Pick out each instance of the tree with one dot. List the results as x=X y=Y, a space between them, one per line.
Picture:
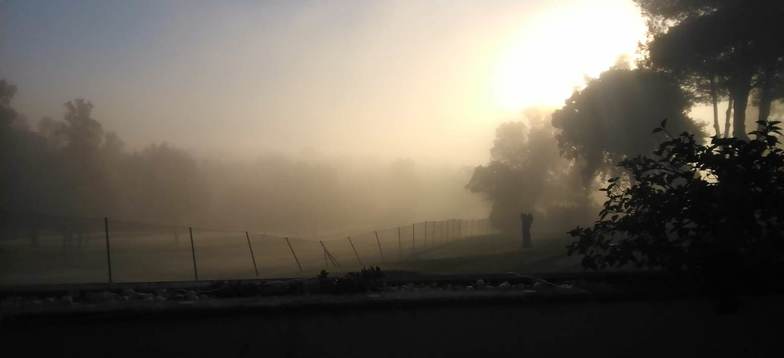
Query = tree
x=7 y=113
x=526 y=174
x=724 y=43
x=84 y=134
x=715 y=211
x=607 y=120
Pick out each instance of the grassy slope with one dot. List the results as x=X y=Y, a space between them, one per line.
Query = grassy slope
x=493 y=253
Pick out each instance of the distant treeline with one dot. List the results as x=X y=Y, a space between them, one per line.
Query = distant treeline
x=72 y=166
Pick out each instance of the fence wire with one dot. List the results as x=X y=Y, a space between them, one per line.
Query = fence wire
x=39 y=248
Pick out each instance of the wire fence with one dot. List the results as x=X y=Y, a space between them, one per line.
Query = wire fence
x=37 y=248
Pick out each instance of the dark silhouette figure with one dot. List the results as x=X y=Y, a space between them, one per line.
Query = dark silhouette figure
x=526 y=220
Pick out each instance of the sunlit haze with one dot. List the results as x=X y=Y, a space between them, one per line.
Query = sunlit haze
x=425 y=80
x=556 y=49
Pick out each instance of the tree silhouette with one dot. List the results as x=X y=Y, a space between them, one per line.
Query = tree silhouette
x=714 y=44
x=606 y=121
x=526 y=174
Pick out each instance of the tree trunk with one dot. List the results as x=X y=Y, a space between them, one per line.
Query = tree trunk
x=715 y=101
x=764 y=107
x=766 y=96
x=727 y=117
x=740 y=90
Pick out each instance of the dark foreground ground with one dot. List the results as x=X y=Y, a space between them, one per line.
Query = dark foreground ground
x=438 y=316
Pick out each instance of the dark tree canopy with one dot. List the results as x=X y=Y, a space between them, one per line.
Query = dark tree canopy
x=718 y=48
x=608 y=120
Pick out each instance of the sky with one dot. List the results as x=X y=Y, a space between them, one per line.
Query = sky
x=428 y=80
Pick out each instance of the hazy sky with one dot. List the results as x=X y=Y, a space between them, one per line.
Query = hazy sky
x=421 y=79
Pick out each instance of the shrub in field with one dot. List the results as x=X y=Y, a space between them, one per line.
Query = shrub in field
x=369 y=279
x=714 y=211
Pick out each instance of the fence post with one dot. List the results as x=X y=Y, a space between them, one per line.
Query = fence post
x=433 y=233
x=108 y=247
x=193 y=254
x=380 y=252
x=355 y=251
x=425 y=244
x=399 y=246
x=252 y=255
x=413 y=238
x=326 y=259
x=294 y=254
x=328 y=256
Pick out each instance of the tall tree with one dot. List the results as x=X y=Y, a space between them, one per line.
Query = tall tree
x=723 y=43
x=611 y=118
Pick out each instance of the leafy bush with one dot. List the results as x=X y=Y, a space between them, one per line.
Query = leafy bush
x=714 y=211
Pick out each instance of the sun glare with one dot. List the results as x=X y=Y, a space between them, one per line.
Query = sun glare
x=551 y=56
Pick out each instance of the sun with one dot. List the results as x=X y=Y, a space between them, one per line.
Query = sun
x=552 y=55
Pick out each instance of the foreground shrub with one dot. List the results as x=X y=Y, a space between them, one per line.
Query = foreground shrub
x=714 y=212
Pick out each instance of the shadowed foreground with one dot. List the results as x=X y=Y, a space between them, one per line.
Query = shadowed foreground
x=475 y=324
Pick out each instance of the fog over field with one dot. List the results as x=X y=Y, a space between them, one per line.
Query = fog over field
x=372 y=177
x=323 y=117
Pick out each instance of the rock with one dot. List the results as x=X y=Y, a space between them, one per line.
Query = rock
x=505 y=285
x=144 y=296
x=191 y=296
x=277 y=287
x=480 y=283
x=67 y=299
x=470 y=288
x=101 y=296
x=160 y=298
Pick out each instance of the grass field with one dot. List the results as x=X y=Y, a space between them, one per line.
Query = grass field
x=164 y=257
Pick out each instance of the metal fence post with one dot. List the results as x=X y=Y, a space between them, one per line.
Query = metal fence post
x=193 y=254
x=294 y=254
x=108 y=247
x=425 y=244
x=252 y=256
x=399 y=246
x=433 y=233
x=328 y=256
x=380 y=252
x=413 y=238
x=355 y=251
